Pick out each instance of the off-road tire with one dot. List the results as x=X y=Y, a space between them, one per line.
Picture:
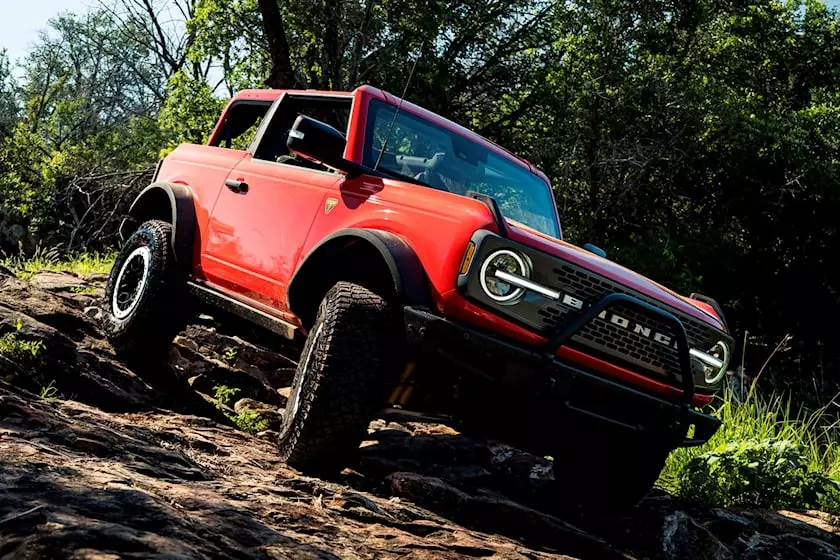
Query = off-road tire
x=159 y=308
x=345 y=371
x=606 y=470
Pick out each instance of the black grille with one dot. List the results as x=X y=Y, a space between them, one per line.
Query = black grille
x=640 y=351
x=619 y=342
x=634 y=348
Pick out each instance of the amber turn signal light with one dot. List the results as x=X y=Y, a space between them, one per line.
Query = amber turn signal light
x=468 y=256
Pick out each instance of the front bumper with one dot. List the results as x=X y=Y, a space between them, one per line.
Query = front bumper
x=536 y=375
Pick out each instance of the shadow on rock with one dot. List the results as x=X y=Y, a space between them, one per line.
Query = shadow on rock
x=147 y=470
x=483 y=485
x=495 y=488
x=50 y=512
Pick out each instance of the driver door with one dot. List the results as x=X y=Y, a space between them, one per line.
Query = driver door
x=263 y=215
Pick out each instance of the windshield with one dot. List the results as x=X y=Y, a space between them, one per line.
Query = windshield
x=444 y=160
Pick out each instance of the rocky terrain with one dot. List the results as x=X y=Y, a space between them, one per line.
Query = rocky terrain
x=99 y=461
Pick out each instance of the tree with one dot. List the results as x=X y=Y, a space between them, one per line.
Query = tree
x=87 y=134
x=8 y=96
x=474 y=58
x=698 y=143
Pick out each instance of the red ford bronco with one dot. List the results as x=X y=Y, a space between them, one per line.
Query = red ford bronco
x=426 y=268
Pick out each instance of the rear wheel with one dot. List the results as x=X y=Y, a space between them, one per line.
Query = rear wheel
x=599 y=469
x=143 y=306
x=345 y=370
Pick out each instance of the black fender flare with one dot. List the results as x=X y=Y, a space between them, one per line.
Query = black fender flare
x=408 y=275
x=170 y=202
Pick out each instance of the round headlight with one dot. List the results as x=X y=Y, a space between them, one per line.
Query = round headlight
x=720 y=351
x=498 y=290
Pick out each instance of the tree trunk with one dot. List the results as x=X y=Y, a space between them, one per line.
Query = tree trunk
x=359 y=45
x=331 y=73
x=282 y=75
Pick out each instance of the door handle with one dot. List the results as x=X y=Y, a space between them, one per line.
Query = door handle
x=237 y=186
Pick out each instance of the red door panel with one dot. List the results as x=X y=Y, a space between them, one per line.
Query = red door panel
x=203 y=169
x=254 y=238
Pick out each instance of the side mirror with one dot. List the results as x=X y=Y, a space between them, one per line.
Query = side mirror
x=319 y=141
x=595 y=250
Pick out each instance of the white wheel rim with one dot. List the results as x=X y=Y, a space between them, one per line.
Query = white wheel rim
x=304 y=365
x=130 y=282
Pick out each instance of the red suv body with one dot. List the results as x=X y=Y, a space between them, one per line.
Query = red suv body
x=299 y=190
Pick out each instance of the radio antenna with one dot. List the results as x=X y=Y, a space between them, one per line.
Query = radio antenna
x=399 y=106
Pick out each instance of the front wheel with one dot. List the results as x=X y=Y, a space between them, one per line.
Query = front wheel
x=342 y=379
x=144 y=307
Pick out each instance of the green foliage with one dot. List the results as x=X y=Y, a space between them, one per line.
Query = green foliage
x=8 y=96
x=21 y=351
x=224 y=395
x=49 y=393
x=82 y=289
x=191 y=110
x=231 y=31
x=26 y=265
x=80 y=134
x=12 y=346
x=764 y=455
x=250 y=421
x=229 y=355
x=757 y=473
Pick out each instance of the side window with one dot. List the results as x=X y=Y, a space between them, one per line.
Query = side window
x=241 y=123
x=334 y=111
x=244 y=140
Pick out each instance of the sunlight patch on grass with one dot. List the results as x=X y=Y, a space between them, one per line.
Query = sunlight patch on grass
x=754 y=424
x=26 y=265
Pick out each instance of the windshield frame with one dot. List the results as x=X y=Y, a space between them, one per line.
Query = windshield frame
x=427 y=118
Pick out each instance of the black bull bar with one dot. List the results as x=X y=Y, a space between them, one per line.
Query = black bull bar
x=673 y=419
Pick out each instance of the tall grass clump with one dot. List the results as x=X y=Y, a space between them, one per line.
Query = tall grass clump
x=25 y=265
x=766 y=454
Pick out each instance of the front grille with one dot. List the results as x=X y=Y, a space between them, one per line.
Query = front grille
x=600 y=338
x=641 y=352
x=615 y=341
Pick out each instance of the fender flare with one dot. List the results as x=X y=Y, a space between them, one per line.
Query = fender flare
x=409 y=278
x=170 y=202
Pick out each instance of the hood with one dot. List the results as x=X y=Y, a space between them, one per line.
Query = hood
x=613 y=271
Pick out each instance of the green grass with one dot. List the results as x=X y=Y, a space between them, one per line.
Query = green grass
x=224 y=395
x=83 y=290
x=18 y=349
x=26 y=265
x=250 y=421
x=765 y=419
x=49 y=393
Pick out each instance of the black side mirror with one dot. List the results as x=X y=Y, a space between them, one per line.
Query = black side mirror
x=595 y=250
x=319 y=141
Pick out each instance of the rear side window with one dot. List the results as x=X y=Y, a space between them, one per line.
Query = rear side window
x=241 y=123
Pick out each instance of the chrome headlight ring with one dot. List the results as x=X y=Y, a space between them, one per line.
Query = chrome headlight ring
x=505 y=261
x=721 y=351
x=715 y=361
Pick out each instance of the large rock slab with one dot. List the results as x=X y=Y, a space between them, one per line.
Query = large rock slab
x=111 y=462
